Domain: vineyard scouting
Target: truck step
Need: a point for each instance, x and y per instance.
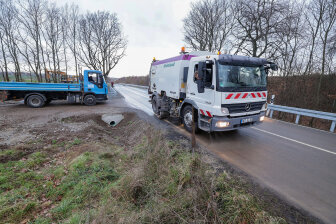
(208, 121)
(204, 124)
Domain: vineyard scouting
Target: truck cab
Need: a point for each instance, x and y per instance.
(227, 91)
(94, 82)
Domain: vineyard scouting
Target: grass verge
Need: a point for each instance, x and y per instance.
(130, 175)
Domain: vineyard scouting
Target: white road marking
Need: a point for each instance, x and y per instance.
(296, 141)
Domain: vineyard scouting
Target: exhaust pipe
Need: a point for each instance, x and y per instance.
(112, 119)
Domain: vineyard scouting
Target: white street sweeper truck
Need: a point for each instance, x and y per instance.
(227, 91)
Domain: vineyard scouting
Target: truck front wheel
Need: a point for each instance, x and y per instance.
(90, 100)
(187, 119)
(35, 101)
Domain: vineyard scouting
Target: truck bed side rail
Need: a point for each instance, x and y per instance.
(22, 86)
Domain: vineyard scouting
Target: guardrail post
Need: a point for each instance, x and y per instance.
(297, 119)
(332, 128)
(272, 99)
(271, 114)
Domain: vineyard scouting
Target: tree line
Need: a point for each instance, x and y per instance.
(300, 36)
(38, 35)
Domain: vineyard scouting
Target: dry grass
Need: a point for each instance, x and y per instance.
(165, 183)
(129, 174)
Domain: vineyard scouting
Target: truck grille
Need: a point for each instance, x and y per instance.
(244, 107)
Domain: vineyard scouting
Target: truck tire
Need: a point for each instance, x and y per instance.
(187, 119)
(160, 114)
(90, 100)
(154, 105)
(35, 101)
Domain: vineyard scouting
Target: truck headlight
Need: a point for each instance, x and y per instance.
(262, 118)
(225, 110)
(264, 107)
(222, 124)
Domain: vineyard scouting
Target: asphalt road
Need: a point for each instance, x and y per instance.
(299, 163)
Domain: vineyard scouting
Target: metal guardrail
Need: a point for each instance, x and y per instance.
(132, 85)
(303, 112)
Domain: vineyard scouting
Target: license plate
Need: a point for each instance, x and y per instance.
(246, 120)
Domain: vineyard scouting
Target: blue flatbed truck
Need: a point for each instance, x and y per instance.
(90, 89)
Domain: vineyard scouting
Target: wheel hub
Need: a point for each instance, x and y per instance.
(188, 118)
(35, 101)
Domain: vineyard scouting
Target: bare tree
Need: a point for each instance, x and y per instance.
(73, 33)
(314, 14)
(321, 18)
(289, 38)
(36, 35)
(208, 25)
(64, 27)
(257, 23)
(327, 25)
(31, 18)
(9, 25)
(101, 41)
(332, 53)
(4, 64)
(52, 32)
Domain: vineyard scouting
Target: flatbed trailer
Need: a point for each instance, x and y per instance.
(91, 89)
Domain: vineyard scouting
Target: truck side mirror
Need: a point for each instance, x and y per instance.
(207, 75)
(200, 86)
(200, 80)
(274, 67)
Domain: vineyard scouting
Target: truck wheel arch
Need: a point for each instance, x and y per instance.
(90, 93)
(185, 103)
(187, 125)
(88, 101)
(35, 100)
(29, 94)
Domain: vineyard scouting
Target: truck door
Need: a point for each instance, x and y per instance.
(95, 83)
(205, 101)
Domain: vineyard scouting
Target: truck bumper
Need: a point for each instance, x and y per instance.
(236, 122)
(101, 97)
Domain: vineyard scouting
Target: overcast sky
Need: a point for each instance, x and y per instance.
(153, 29)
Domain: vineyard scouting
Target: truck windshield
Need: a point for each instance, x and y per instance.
(240, 78)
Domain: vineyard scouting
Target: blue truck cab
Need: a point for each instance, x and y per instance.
(94, 83)
(90, 89)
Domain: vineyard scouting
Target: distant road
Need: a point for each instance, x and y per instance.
(297, 162)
